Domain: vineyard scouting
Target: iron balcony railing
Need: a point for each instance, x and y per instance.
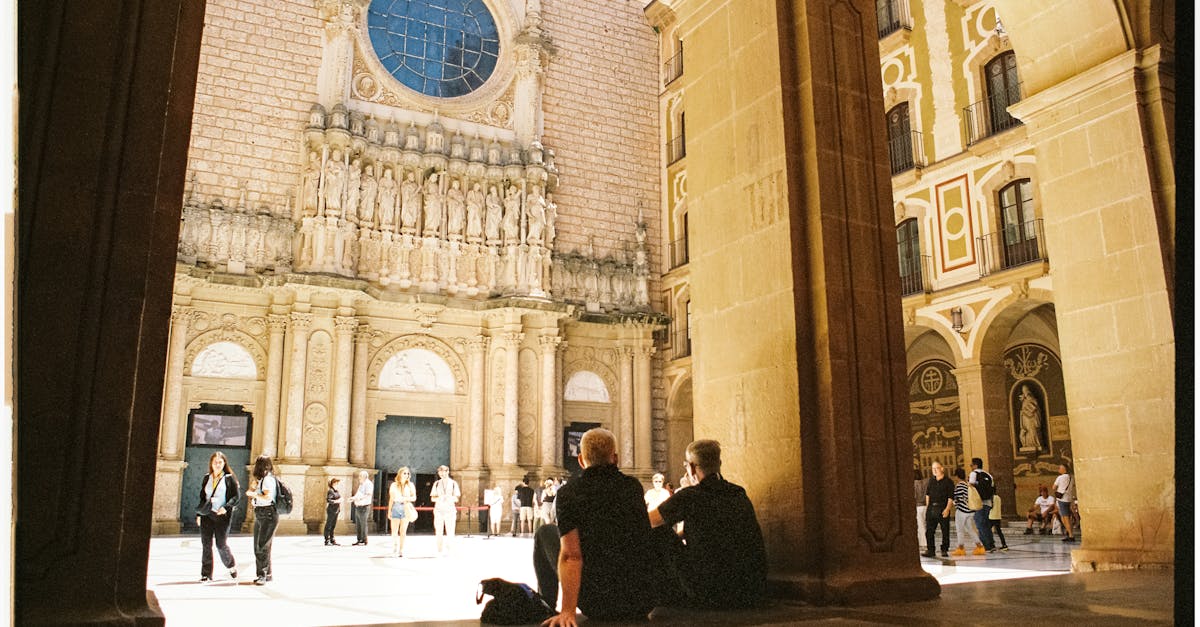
(893, 15)
(990, 115)
(673, 68)
(678, 252)
(915, 275)
(676, 149)
(906, 151)
(681, 342)
(1015, 245)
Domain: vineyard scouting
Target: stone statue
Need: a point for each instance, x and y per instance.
(353, 191)
(474, 213)
(410, 203)
(512, 215)
(349, 246)
(412, 140)
(1031, 421)
(366, 198)
(535, 206)
(551, 215)
(455, 209)
(312, 184)
(387, 200)
(335, 180)
(493, 215)
(305, 255)
(493, 152)
(372, 130)
(433, 204)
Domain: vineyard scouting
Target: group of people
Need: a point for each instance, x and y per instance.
(219, 495)
(530, 508)
(617, 560)
(972, 503)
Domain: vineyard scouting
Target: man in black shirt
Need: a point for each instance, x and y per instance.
(723, 563)
(525, 495)
(939, 492)
(601, 547)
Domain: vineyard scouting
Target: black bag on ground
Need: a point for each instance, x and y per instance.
(511, 604)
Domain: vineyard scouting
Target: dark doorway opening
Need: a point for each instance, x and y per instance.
(214, 427)
(419, 443)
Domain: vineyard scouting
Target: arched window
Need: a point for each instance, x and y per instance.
(1018, 225)
(1003, 89)
(908, 240)
(900, 138)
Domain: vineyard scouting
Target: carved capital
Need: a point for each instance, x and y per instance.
(277, 323)
(364, 334)
(478, 344)
(645, 350)
(301, 321)
(512, 339)
(181, 314)
(345, 325)
(549, 343)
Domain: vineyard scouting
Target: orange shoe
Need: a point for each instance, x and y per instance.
(979, 550)
(959, 552)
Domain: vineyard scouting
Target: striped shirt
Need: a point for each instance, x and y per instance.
(962, 492)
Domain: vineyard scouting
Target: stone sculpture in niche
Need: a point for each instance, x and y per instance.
(433, 204)
(410, 203)
(474, 213)
(1030, 421)
(312, 184)
(387, 200)
(512, 215)
(335, 178)
(353, 191)
(366, 199)
(455, 210)
(535, 206)
(494, 214)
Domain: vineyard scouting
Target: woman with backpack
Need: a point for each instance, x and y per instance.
(219, 494)
(262, 497)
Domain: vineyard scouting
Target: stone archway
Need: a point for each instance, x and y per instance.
(680, 432)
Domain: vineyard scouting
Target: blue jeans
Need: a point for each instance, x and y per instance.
(985, 526)
(265, 521)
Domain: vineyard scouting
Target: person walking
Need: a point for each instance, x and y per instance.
(401, 495)
(964, 523)
(1064, 493)
(219, 494)
(997, 523)
(266, 519)
(444, 494)
(920, 485)
(333, 507)
(938, 495)
(525, 496)
(363, 497)
(986, 486)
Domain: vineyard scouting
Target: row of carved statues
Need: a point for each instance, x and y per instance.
(437, 204)
(235, 239)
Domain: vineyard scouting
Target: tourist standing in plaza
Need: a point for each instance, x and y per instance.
(525, 496)
(219, 494)
(657, 494)
(548, 492)
(938, 495)
(494, 499)
(996, 522)
(266, 519)
(1064, 493)
(964, 516)
(920, 485)
(363, 497)
(401, 494)
(444, 494)
(333, 507)
(515, 504)
(985, 484)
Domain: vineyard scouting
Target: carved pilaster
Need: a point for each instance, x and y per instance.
(643, 427)
(550, 422)
(625, 434)
(277, 326)
(358, 417)
(181, 317)
(344, 328)
(341, 18)
(301, 322)
(512, 344)
(476, 351)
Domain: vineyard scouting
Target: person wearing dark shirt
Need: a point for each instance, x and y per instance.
(600, 549)
(722, 562)
(525, 495)
(937, 494)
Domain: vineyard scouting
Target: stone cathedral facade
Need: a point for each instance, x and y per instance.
(415, 233)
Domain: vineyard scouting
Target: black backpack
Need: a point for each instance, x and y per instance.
(511, 604)
(983, 483)
(283, 498)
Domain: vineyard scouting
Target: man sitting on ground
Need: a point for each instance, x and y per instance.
(724, 561)
(600, 548)
(1043, 511)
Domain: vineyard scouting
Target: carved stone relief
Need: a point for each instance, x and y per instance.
(227, 360)
(586, 385)
(417, 370)
(426, 343)
(527, 404)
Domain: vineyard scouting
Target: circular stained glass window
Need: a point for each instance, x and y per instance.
(441, 48)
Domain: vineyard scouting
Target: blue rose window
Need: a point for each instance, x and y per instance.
(441, 48)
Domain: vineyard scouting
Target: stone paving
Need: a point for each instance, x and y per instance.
(348, 585)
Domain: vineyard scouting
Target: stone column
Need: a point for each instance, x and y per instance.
(277, 324)
(625, 428)
(533, 53)
(181, 316)
(295, 392)
(986, 425)
(343, 378)
(643, 431)
(1107, 198)
(804, 371)
(476, 352)
(512, 347)
(358, 417)
(550, 422)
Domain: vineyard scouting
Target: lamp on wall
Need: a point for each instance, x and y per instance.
(956, 319)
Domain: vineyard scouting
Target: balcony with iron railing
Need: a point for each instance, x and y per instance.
(892, 16)
(680, 342)
(677, 252)
(990, 115)
(673, 69)
(1016, 245)
(914, 276)
(676, 149)
(907, 151)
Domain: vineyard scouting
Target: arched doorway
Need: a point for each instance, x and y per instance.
(212, 428)
(420, 443)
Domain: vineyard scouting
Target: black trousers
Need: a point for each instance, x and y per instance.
(546, 546)
(331, 514)
(998, 530)
(933, 520)
(211, 530)
(265, 522)
(362, 518)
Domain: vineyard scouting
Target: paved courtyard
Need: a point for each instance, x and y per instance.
(347, 585)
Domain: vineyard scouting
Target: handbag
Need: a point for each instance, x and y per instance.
(511, 604)
(410, 512)
(974, 502)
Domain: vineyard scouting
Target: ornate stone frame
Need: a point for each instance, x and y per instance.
(417, 340)
(241, 338)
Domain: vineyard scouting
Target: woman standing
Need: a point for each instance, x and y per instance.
(444, 494)
(265, 518)
(401, 494)
(333, 507)
(219, 493)
(494, 499)
(964, 523)
(548, 492)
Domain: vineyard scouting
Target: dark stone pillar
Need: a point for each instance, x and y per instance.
(107, 88)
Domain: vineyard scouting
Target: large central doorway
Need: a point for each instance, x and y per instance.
(212, 428)
(418, 442)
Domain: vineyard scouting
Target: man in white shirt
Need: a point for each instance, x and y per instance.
(1064, 491)
(362, 506)
(1043, 512)
(444, 494)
